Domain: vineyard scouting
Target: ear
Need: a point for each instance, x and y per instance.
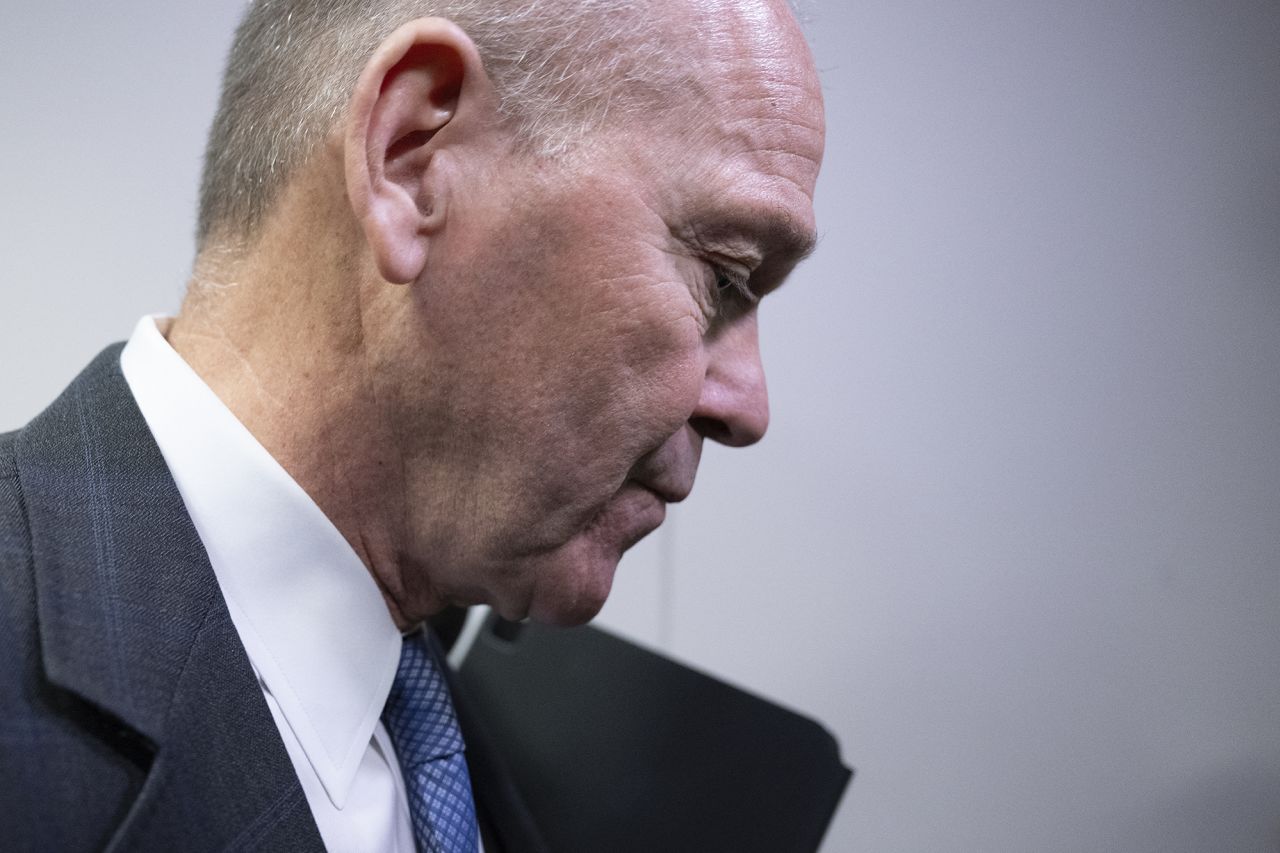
(424, 89)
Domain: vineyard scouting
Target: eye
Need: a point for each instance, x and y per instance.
(732, 284)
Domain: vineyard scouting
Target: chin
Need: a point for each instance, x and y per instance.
(571, 583)
(572, 592)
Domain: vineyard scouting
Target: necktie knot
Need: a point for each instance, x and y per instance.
(424, 731)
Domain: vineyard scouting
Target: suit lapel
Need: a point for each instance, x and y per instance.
(132, 620)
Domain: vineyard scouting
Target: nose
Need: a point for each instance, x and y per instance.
(733, 407)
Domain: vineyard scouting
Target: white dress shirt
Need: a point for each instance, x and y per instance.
(315, 626)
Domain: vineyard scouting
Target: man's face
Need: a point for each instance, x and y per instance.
(582, 328)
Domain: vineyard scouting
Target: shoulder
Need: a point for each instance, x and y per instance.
(15, 540)
(8, 467)
(60, 787)
(12, 514)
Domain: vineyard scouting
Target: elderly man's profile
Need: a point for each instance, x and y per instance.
(474, 282)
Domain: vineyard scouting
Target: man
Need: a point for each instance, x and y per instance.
(474, 281)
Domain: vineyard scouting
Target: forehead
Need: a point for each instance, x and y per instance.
(744, 147)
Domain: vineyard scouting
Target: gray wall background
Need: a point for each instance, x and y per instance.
(1013, 535)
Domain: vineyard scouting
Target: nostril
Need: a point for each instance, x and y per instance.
(730, 434)
(712, 428)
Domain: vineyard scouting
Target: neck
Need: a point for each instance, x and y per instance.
(280, 339)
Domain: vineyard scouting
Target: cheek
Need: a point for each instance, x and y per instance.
(663, 377)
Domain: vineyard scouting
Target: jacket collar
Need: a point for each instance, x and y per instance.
(122, 584)
(131, 619)
(312, 621)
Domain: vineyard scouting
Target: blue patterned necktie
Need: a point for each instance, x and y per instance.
(419, 717)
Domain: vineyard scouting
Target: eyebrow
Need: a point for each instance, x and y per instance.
(794, 242)
(779, 237)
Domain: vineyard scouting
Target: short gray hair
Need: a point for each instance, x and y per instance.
(560, 67)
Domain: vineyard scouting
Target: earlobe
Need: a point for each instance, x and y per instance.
(411, 100)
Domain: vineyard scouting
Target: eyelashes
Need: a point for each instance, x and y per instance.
(731, 285)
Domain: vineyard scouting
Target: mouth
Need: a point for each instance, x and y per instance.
(667, 472)
(635, 511)
(666, 493)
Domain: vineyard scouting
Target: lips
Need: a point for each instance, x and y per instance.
(666, 491)
(668, 471)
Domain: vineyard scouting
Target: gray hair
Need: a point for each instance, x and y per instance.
(560, 68)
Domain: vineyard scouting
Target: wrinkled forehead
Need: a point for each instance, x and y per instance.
(737, 157)
(752, 55)
(762, 81)
(766, 30)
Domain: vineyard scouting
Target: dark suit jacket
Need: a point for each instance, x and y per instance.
(130, 718)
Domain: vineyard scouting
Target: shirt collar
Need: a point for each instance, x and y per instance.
(309, 614)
